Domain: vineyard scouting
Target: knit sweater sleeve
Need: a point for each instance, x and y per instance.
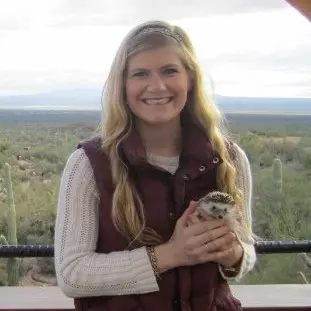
(80, 271)
(244, 182)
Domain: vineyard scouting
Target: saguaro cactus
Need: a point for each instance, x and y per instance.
(278, 175)
(12, 264)
(3, 240)
(278, 182)
(306, 259)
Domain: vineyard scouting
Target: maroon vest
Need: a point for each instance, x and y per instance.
(165, 197)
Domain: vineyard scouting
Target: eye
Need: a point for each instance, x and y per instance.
(213, 207)
(225, 210)
(139, 74)
(170, 71)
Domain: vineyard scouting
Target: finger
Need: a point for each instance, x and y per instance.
(232, 224)
(223, 242)
(191, 220)
(220, 255)
(196, 213)
(194, 219)
(182, 221)
(205, 226)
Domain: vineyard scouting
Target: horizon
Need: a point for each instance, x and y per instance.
(60, 91)
(92, 101)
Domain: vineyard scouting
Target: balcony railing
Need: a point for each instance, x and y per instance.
(253, 297)
(261, 247)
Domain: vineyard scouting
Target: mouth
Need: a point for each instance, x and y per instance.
(160, 101)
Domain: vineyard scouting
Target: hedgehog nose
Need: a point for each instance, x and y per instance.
(220, 217)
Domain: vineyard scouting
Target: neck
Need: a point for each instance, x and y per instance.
(162, 140)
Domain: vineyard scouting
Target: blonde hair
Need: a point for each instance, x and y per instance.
(127, 208)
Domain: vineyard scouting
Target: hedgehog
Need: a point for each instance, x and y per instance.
(216, 204)
(221, 205)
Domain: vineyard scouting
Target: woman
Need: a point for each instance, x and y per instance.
(127, 235)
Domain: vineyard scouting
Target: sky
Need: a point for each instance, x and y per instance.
(258, 48)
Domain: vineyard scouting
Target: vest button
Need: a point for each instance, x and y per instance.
(186, 177)
(171, 215)
(215, 160)
(202, 168)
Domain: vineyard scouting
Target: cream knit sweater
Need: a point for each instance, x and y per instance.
(82, 272)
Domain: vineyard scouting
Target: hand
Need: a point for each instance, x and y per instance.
(227, 252)
(199, 242)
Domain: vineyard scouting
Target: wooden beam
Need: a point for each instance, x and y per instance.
(303, 6)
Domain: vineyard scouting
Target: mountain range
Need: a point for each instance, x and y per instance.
(90, 99)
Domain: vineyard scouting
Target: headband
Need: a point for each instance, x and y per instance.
(153, 30)
(160, 30)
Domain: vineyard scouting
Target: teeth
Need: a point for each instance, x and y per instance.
(158, 101)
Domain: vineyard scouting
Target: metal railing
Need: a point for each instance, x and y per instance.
(261, 247)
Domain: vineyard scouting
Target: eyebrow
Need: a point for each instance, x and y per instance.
(163, 67)
(170, 65)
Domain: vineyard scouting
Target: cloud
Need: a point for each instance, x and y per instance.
(282, 74)
(97, 12)
(56, 44)
(19, 14)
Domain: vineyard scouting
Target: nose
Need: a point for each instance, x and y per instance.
(156, 83)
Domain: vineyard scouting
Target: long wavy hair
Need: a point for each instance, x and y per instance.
(117, 122)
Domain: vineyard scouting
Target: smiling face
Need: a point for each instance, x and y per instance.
(157, 84)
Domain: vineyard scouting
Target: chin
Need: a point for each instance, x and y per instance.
(158, 121)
